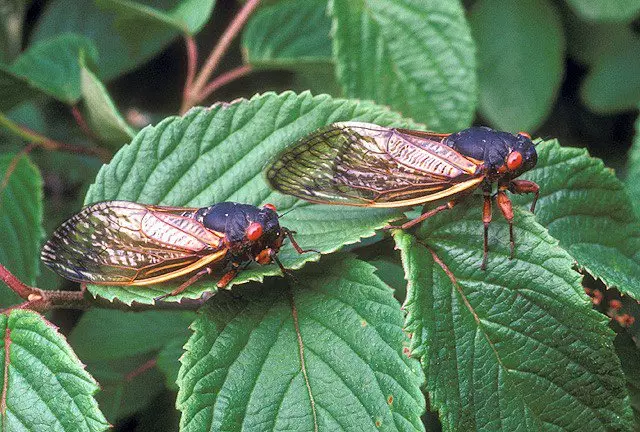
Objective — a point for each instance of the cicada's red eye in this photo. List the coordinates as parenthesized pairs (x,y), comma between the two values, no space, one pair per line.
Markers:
(514,160)
(524,134)
(254,231)
(270,207)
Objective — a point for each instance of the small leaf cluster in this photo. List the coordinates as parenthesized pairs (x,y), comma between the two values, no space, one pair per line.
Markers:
(379,330)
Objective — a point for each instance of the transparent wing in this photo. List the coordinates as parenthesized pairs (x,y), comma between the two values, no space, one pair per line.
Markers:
(124,243)
(363,164)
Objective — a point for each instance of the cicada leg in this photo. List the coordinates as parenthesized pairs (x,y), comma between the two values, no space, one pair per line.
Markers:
(422,217)
(184,285)
(525,186)
(504,203)
(486,220)
(294,243)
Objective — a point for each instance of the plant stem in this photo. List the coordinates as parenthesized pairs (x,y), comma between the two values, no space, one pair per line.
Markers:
(225,79)
(82,123)
(194,93)
(192,64)
(43,300)
(49,144)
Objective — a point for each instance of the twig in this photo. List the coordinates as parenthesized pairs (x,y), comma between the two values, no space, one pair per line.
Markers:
(43,300)
(225,79)
(219,51)
(49,144)
(82,123)
(192,64)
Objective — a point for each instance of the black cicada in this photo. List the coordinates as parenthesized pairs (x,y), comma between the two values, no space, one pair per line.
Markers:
(362,164)
(125,243)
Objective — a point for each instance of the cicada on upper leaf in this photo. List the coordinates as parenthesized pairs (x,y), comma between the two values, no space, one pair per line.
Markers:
(362,164)
(126,243)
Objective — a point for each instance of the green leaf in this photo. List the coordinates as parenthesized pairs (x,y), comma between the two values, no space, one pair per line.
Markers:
(14,90)
(516,346)
(521,60)
(585,207)
(632,181)
(189,16)
(168,360)
(11,28)
(418,57)
(44,386)
(606,10)
(20,220)
(243,370)
(629,355)
(613,83)
(126,334)
(288,34)
(52,66)
(85,18)
(103,115)
(217,154)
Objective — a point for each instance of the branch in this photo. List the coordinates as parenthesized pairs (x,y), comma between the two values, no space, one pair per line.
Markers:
(225,79)
(49,144)
(43,300)
(219,51)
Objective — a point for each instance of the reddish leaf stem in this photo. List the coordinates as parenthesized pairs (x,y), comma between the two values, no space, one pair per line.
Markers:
(200,81)
(43,300)
(150,364)
(192,64)
(225,79)
(82,123)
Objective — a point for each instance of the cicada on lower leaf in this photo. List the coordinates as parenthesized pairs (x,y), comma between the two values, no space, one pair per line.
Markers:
(362,164)
(126,243)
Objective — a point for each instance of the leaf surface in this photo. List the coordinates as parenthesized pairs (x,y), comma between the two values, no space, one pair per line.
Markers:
(326,354)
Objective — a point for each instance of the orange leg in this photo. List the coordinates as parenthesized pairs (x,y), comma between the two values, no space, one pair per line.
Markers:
(504,203)
(227,278)
(525,186)
(486,220)
(184,285)
(295,244)
(422,217)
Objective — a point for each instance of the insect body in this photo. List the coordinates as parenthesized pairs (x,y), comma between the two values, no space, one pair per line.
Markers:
(125,243)
(362,164)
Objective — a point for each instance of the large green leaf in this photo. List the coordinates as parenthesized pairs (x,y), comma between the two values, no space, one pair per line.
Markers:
(325,354)
(188,17)
(416,56)
(129,354)
(629,354)
(585,206)
(515,347)
(606,10)
(288,34)
(217,154)
(14,90)
(44,386)
(53,67)
(520,60)
(633,170)
(86,18)
(613,83)
(103,116)
(20,220)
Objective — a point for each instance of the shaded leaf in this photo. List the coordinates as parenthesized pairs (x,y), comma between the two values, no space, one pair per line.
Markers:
(103,115)
(632,180)
(629,355)
(520,58)
(585,207)
(168,360)
(44,385)
(516,347)
(189,16)
(52,66)
(288,34)
(15,90)
(243,370)
(418,57)
(613,83)
(85,18)
(11,22)
(217,154)
(20,220)
(605,10)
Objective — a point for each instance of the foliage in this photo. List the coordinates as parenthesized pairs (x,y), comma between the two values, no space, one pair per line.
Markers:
(358,336)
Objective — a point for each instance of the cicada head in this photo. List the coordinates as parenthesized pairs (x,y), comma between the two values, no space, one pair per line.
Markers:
(522,156)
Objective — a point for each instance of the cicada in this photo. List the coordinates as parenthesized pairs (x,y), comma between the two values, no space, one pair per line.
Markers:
(362,164)
(130,244)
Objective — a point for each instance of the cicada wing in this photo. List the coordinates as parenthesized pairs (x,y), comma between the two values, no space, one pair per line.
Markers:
(363,164)
(125,243)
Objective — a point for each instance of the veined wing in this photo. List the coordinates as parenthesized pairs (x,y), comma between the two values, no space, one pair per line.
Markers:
(363,164)
(125,243)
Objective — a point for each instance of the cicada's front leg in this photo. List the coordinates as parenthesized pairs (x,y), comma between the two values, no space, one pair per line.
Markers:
(525,186)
